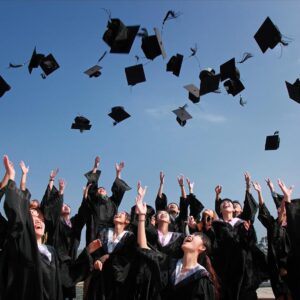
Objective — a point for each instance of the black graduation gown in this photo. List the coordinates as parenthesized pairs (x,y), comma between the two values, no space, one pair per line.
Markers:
(293,225)
(25,274)
(3,225)
(278,250)
(99,213)
(231,257)
(63,238)
(197,286)
(249,210)
(177,224)
(115,280)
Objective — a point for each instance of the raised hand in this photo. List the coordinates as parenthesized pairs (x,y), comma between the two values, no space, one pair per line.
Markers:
(191,222)
(247,180)
(140,206)
(256,186)
(62,185)
(287,192)
(162,177)
(141,190)
(9,167)
(24,169)
(97,162)
(247,225)
(218,190)
(119,168)
(180,179)
(53,174)
(270,184)
(93,246)
(190,185)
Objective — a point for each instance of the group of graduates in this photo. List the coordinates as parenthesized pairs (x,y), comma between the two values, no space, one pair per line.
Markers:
(171,252)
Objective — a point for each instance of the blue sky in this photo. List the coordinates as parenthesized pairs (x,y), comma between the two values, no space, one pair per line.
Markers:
(222,140)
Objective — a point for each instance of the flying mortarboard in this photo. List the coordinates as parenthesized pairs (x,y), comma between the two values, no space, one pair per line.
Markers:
(118,114)
(209,81)
(174,64)
(93,71)
(229,70)
(35,60)
(272,141)
(81,123)
(4,87)
(294,90)
(135,74)
(268,36)
(49,64)
(152,45)
(194,92)
(119,37)
(182,115)
(233,86)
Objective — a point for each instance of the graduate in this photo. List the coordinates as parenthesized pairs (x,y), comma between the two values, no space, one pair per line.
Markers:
(29,268)
(99,207)
(63,232)
(113,276)
(293,224)
(175,279)
(278,246)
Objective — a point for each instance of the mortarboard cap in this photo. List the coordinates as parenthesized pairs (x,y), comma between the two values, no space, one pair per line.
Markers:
(35,60)
(268,35)
(233,87)
(93,71)
(229,70)
(194,92)
(294,90)
(272,141)
(119,37)
(135,74)
(49,64)
(81,123)
(118,114)
(174,64)
(182,115)
(209,81)
(4,87)
(152,45)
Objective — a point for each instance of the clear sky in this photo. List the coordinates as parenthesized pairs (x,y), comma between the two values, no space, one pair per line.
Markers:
(222,140)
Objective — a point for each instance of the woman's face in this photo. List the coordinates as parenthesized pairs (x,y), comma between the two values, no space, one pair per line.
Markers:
(65,210)
(163,216)
(38,222)
(102,191)
(193,243)
(120,218)
(227,206)
(237,209)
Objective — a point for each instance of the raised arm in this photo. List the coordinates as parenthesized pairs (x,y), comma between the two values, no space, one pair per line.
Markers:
(119,168)
(276,197)
(257,187)
(96,164)
(180,180)
(248,181)
(195,205)
(141,210)
(218,191)
(53,174)
(161,201)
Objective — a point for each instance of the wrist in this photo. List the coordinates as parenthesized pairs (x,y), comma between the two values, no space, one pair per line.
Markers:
(51,179)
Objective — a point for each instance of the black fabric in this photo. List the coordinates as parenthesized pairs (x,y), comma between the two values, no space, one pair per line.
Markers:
(278,250)
(161,284)
(115,280)
(293,225)
(99,213)
(250,208)
(25,273)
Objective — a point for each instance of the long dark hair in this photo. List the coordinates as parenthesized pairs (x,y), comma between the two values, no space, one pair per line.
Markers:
(205,261)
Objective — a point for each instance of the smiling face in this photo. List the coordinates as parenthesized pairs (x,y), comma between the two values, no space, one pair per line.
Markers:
(162,217)
(102,191)
(193,243)
(121,218)
(173,208)
(237,209)
(38,223)
(226,206)
(65,210)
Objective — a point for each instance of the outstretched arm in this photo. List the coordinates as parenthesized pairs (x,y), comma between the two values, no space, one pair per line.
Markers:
(181,184)
(53,174)
(248,181)
(161,184)
(218,191)
(119,168)
(257,187)
(141,210)
(287,192)
(24,176)
(96,164)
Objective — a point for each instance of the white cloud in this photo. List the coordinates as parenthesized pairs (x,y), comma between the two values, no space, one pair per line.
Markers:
(212,118)
(160,112)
